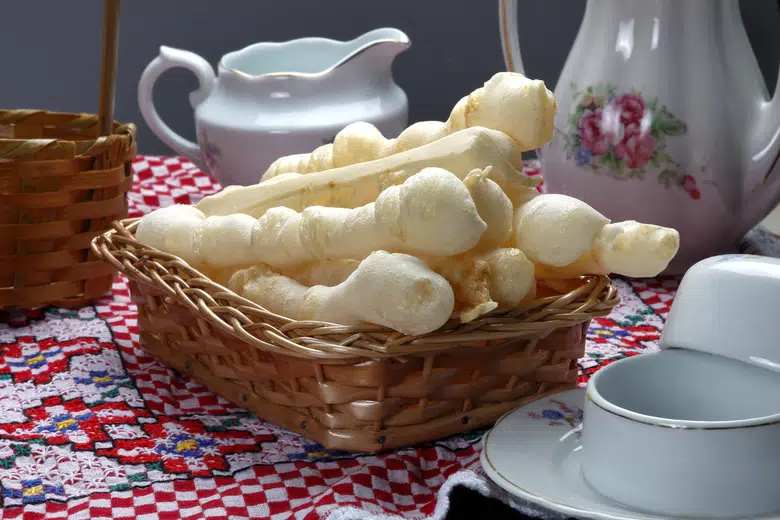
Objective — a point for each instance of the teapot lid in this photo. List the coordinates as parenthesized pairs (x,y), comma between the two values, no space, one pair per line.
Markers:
(729,305)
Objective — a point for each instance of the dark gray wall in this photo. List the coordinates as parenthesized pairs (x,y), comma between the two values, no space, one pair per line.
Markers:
(51,48)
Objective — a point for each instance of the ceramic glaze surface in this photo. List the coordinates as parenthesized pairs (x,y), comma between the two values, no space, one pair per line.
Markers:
(663,117)
(722,297)
(685,396)
(534,455)
(274,99)
(682,433)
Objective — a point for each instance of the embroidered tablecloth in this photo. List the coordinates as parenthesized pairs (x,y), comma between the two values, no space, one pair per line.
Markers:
(92,427)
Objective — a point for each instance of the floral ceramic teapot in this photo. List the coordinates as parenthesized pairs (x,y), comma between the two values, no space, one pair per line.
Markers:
(663,117)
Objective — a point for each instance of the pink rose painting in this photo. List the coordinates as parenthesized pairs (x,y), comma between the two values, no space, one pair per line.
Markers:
(590,132)
(624,135)
(635,148)
(632,108)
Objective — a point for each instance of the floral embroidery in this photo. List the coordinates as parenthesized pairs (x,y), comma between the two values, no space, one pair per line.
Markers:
(565,415)
(34,491)
(314,451)
(625,135)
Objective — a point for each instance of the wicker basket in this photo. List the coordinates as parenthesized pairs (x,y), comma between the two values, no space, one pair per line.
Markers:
(60,187)
(354,389)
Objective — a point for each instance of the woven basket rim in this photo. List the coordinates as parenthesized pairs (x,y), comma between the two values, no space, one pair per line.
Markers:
(319,340)
(123,131)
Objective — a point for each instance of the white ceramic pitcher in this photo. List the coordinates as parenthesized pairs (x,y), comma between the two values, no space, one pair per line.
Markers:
(663,117)
(273,99)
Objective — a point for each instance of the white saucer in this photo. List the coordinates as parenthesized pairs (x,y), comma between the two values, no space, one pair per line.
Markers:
(534,453)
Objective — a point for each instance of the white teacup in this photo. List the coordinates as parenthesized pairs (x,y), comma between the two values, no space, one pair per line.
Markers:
(694,430)
(729,305)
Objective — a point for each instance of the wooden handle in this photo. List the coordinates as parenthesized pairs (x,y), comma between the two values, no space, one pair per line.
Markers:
(108,65)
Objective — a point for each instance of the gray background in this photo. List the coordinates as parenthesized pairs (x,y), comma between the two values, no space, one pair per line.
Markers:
(51,48)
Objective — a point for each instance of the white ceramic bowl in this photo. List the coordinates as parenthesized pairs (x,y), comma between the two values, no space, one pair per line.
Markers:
(694,430)
(684,434)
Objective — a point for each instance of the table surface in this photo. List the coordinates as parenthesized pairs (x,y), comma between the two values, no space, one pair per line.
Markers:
(92,426)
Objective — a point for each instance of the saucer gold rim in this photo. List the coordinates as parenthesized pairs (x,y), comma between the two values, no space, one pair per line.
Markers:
(502,481)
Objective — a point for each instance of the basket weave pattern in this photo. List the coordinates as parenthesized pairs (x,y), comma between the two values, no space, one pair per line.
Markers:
(353,388)
(60,187)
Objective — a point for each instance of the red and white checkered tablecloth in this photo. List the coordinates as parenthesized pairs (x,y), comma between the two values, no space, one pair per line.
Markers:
(92,427)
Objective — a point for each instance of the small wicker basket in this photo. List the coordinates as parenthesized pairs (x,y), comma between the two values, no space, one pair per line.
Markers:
(60,187)
(355,389)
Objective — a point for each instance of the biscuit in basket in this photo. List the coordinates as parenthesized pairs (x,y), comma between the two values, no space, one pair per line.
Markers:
(522,108)
(358,184)
(389,289)
(431,213)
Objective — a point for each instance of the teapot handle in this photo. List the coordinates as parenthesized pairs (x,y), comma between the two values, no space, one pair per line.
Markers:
(510,44)
(168,59)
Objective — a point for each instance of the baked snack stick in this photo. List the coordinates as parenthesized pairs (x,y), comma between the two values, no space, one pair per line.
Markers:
(431,213)
(567,238)
(481,281)
(356,185)
(393,290)
(522,108)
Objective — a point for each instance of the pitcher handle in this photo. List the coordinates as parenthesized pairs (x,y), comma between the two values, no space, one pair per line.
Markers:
(170,58)
(510,43)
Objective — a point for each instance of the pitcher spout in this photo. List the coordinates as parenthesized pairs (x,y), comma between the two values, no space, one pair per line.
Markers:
(393,40)
(311,57)
(382,45)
